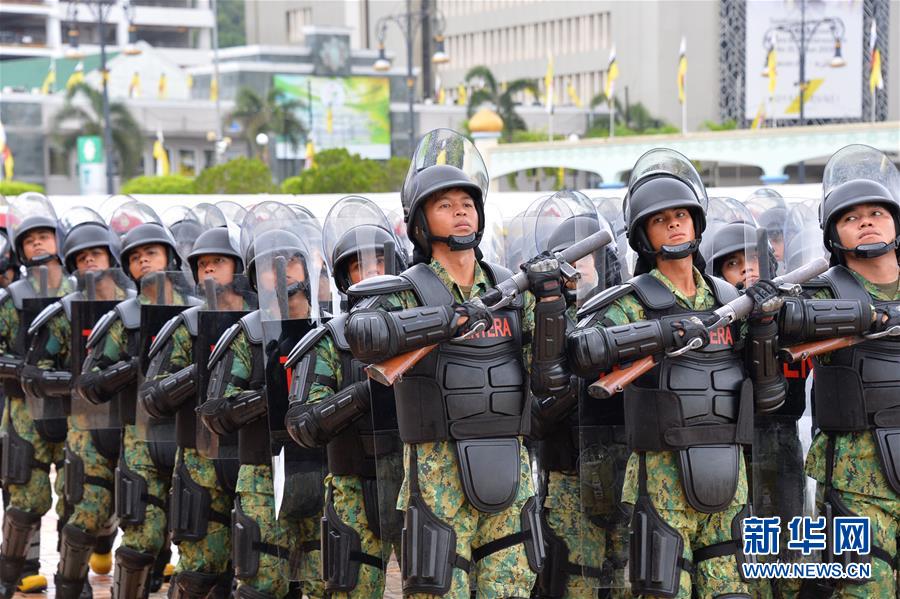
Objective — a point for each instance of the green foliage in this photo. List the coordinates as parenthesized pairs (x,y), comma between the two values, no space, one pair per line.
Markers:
(273,115)
(160,185)
(338,171)
(230,19)
(728,125)
(241,175)
(527,136)
(14,188)
(637,121)
(500,96)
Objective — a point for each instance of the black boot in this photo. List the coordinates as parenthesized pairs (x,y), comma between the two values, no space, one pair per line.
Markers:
(18,528)
(192,585)
(76,547)
(131,576)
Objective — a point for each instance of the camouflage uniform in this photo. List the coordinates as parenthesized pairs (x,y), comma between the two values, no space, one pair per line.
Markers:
(256,495)
(505,573)
(718,575)
(860,481)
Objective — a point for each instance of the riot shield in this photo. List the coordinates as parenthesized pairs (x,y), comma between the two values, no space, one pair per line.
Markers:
(859,161)
(100,293)
(286,276)
(493,241)
(611,210)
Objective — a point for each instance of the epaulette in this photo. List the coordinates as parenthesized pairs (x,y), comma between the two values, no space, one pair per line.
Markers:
(306,343)
(723,291)
(222,345)
(337,326)
(44,316)
(162,337)
(101,328)
(603,299)
(129,311)
(252,325)
(380,285)
(19,291)
(191,318)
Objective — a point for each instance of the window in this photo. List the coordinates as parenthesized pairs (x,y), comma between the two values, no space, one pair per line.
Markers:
(59,162)
(297,19)
(187,163)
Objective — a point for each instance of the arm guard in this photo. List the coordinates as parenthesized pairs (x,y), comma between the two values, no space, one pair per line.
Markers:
(803,320)
(9,367)
(39,384)
(592,350)
(100,387)
(766,372)
(226,415)
(162,397)
(548,411)
(376,335)
(315,424)
(549,374)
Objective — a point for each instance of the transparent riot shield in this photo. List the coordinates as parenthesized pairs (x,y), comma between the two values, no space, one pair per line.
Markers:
(101,291)
(493,241)
(859,161)
(611,210)
(164,295)
(286,276)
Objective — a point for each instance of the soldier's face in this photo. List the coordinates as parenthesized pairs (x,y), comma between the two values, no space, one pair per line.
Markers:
(92,259)
(865,224)
(38,242)
(451,212)
(293,270)
(361,269)
(741,269)
(217,267)
(670,227)
(146,259)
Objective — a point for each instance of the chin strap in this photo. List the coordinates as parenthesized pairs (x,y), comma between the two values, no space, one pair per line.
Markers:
(677,252)
(869,250)
(457,243)
(38,260)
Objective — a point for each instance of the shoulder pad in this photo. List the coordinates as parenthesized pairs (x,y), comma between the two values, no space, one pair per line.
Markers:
(498,274)
(429,289)
(101,328)
(130,312)
(44,316)
(305,345)
(380,285)
(192,320)
(844,285)
(252,325)
(66,303)
(193,301)
(603,300)
(162,337)
(652,293)
(20,290)
(221,346)
(336,326)
(723,291)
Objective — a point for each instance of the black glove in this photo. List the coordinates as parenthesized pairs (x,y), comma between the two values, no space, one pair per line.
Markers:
(686,330)
(885,318)
(766,298)
(544,276)
(480,318)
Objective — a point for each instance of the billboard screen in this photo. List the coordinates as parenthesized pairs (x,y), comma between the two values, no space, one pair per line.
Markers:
(347,112)
(833,92)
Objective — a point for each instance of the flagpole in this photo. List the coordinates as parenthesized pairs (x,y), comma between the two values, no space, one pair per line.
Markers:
(874,91)
(612,114)
(684,114)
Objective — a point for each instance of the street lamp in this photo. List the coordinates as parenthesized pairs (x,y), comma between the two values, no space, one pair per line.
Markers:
(408,23)
(100,9)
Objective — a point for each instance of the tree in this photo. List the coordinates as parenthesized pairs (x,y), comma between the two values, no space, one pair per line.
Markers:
(14,188)
(274,114)
(231,19)
(128,142)
(159,185)
(636,120)
(241,175)
(339,171)
(491,93)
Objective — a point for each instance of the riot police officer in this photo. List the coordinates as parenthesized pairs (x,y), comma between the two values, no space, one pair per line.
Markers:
(462,410)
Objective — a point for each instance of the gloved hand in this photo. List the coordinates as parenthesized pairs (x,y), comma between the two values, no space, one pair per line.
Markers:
(686,330)
(478,318)
(544,276)
(885,318)
(766,298)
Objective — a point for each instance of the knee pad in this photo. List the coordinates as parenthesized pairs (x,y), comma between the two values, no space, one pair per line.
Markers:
(553,578)
(247,592)
(108,442)
(655,552)
(189,507)
(192,585)
(130,496)
(428,548)
(341,552)
(52,430)
(163,454)
(227,473)
(131,576)
(18,458)
(74,483)
(76,547)
(245,543)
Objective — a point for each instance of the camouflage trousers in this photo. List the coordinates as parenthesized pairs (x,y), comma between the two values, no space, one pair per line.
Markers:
(212,554)
(349,504)
(151,535)
(296,539)
(34,496)
(505,573)
(589,544)
(95,512)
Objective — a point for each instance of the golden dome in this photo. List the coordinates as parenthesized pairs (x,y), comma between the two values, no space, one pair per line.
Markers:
(485,121)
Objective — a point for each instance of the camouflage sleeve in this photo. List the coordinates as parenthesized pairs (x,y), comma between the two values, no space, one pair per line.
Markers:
(328,366)
(241,365)
(56,349)
(182,349)
(527,328)
(622,311)
(9,326)
(113,345)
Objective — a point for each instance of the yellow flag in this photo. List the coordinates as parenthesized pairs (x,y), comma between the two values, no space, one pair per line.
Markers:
(6,155)
(771,65)
(573,95)
(441,96)
(189,81)
(213,89)
(162,88)
(612,73)
(134,88)
(329,120)
(49,80)
(77,76)
(760,116)
(160,155)
(461,96)
(875,79)
(548,84)
(682,70)
(310,155)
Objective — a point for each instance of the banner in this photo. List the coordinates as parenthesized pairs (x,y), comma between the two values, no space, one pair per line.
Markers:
(347,112)
(832,92)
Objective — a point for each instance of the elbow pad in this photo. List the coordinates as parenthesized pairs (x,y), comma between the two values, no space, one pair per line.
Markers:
(803,320)
(100,387)
(376,335)
(766,372)
(547,411)
(549,375)
(162,398)
(315,424)
(38,383)
(227,415)
(9,367)
(592,350)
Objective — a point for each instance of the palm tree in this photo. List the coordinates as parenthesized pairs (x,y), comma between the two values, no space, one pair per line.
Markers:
(126,133)
(491,93)
(273,114)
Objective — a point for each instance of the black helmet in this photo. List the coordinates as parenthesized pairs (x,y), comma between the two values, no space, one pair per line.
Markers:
(858,174)
(214,241)
(270,244)
(662,179)
(361,239)
(28,212)
(443,160)
(89,235)
(146,234)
